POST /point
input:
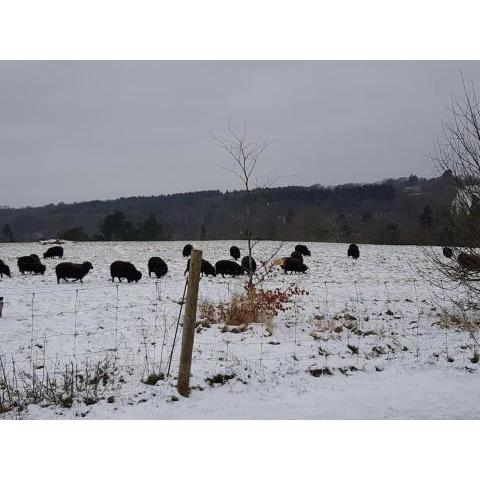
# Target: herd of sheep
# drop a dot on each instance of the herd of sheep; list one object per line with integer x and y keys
{"x": 67, "y": 271}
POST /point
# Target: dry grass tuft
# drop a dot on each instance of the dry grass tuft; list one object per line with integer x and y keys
{"x": 457, "y": 322}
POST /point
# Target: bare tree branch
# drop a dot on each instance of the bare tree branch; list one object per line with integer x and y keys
{"x": 459, "y": 158}
{"x": 245, "y": 155}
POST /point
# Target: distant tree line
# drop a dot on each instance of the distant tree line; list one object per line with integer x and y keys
{"x": 116, "y": 227}
{"x": 407, "y": 210}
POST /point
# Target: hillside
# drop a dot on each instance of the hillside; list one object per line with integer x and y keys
{"x": 405, "y": 210}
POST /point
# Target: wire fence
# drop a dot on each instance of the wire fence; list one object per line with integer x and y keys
{"x": 339, "y": 327}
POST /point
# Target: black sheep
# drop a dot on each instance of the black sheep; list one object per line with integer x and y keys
{"x": 293, "y": 265}
{"x": 206, "y": 269}
{"x": 30, "y": 264}
{"x": 303, "y": 250}
{"x": 468, "y": 261}
{"x": 76, "y": 271}
{"x": 246, "y": 264}
{"x": 297, "y": 255}
{"x": 4, "y": 269}
{"x": 447, "y": 252}
{"x": 228, "y": 267}
{"x": 235, "y": 252}
{"x": 126, "y": 270}
{"x": 53, "y": 252}
{"x": 187, "y": 250}
{"x": 157, "y": 266}
{"x": 353, "y": 251}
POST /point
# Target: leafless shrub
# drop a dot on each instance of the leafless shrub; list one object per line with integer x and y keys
{"x": 458, "y": 157}
{"x": 209, "y": 313}
{"x": 254, "y": 305}
{"x": 61, "y": 386}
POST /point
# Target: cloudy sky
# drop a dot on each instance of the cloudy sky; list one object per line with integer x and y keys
{"x": 73, "y": 131}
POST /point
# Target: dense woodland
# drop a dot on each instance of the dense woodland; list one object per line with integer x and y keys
{"x": 408, "y": 210}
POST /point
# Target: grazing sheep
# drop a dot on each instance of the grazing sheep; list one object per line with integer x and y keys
{"x": 297, "y": 255}
{"x": 157, "y": 266}
{"x": 76, "y": 271}
{"x": 447, "y": 252}
{"x": 303, "y": 250}
{"x": 53, "y": 252}
{"x": 125, "y": 270}
{"x": 228, "y": 267}
{"x": 468, "y": 261}
{"x": 235, "y": 252}
{"x": 353, "y": 251}
{"x": 30, "y": 264}
{"x": 293, "y": 265}
{"x": 187, "y": 250}
{"x": 246, "y": 264}
{"x": 206, "y": 269}
{"x": 4, "y": 269}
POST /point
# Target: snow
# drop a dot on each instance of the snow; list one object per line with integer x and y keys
{"x": 396, "y": 363}
{"x": 391, "y": 394}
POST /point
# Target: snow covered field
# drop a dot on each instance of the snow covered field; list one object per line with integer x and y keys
{"x": 365, "y": 342}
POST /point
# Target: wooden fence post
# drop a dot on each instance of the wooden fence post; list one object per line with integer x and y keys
{"x": 183, "y": 382}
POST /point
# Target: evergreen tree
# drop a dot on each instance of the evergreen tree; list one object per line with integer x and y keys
{"x": 426, "y": 218}
{"x": 412, "y": 180}
{"x": 367, "y": 217}
{"x": 475, "y": 209}
{"x": 116, "y": 227}
{"x": 203, "y": 231}
{"x": 7, "y": 232}
{"x": 75, "y": 234}
{"x": 150, "y": 229}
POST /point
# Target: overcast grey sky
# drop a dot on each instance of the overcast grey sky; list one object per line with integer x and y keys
{"x": 72, "y": 131}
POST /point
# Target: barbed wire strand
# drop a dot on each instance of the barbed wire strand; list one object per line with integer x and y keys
{"x": 176, "y": 328}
